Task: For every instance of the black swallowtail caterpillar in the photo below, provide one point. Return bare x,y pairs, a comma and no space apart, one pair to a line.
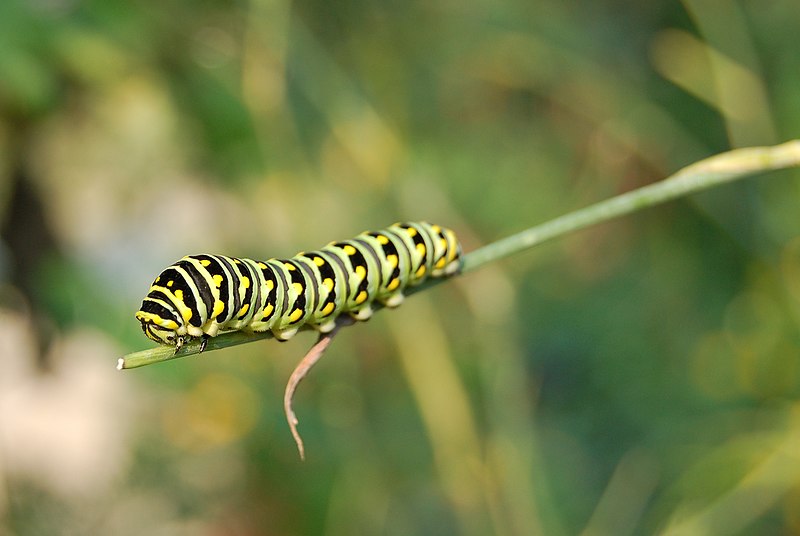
201,296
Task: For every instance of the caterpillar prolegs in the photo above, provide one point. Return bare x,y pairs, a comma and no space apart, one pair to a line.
201,296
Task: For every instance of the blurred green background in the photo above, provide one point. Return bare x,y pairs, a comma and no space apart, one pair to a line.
640,377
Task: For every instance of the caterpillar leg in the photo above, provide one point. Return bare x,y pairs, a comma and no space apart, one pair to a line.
327,326
394,301
204,341
178,343
284,335
362,314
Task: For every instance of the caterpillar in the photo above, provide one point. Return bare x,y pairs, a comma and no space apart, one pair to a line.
201,296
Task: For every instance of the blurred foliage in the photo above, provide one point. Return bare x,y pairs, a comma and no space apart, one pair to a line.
641,377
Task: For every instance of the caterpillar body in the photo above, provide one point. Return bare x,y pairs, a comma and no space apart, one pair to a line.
201,296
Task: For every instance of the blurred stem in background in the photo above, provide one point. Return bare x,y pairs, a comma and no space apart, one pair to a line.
31,243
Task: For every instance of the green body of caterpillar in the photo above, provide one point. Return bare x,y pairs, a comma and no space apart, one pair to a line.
204,295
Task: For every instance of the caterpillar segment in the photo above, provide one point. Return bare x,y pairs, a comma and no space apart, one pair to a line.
201,296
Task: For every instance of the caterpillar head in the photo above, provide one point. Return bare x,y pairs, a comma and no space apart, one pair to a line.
161,322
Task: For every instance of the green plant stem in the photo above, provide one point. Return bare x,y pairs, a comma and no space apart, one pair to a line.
722,168
713,171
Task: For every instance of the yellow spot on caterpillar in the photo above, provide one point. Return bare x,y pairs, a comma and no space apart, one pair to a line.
298,287
178,293
420,271
243,310
393,284
328,283
245,282
411,232
267,311
382,240
435,228
328,309
218,306
289,266
392,260
361,298
350,250
261,265
237,261
205,262
157,279
319,261
187,314
296,315
217,280
270,285
441,263
421,249
169,283
361,272
156,320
